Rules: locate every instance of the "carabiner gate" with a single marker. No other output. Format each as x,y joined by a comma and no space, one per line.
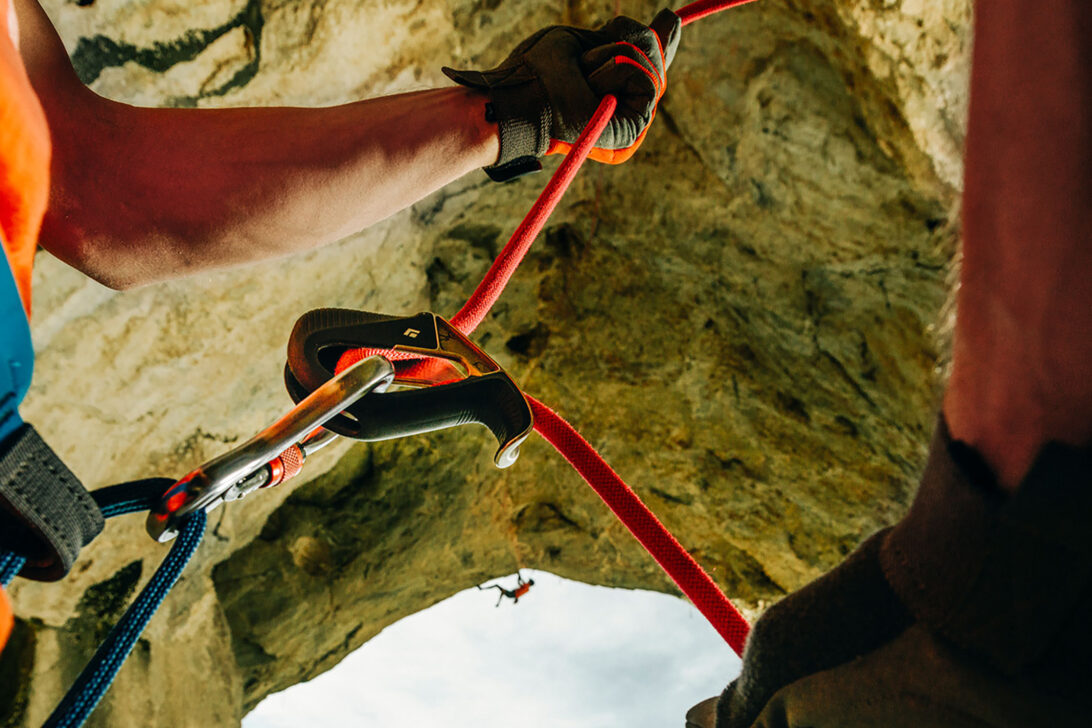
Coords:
236,473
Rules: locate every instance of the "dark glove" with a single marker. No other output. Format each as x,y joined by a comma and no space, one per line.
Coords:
543,95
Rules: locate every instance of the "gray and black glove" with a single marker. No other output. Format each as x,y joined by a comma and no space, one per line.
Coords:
548,88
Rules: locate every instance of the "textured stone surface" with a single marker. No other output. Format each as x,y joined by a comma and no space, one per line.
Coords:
739,318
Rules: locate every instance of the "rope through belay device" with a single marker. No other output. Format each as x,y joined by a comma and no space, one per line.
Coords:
335,358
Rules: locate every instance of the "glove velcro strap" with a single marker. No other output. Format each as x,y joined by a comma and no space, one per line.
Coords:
523,121
45,513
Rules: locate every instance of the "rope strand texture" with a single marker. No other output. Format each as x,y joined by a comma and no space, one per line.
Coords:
100,672
643,524
491,287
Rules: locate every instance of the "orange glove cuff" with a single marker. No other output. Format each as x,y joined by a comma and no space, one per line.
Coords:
617,156
606,156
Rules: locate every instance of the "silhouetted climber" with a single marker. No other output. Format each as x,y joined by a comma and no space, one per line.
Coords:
522,587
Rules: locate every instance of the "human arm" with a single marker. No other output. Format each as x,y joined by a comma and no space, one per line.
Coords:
1022,360
140,195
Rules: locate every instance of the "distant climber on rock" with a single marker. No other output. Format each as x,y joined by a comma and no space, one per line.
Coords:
522,587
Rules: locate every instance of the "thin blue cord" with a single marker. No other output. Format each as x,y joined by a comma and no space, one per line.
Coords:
96,678
10,565
122,508
140,495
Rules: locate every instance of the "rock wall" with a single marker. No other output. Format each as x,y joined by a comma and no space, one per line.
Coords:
740,318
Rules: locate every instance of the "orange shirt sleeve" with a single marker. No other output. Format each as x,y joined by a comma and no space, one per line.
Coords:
24,161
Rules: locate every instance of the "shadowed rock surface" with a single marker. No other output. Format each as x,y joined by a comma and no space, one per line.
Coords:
740,319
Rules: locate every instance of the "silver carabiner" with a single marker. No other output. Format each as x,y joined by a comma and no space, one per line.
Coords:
213,483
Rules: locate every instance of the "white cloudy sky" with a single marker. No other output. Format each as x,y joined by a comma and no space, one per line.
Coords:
568,654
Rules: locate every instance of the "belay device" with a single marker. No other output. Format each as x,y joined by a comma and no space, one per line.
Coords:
456,383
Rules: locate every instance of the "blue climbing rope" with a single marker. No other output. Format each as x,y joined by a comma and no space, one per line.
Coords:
96,678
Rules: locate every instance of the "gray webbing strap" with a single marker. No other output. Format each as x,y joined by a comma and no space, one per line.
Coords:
45,513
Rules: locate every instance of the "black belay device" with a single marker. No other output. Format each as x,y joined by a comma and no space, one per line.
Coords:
453,381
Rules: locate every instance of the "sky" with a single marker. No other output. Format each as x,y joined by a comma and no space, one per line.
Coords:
568,654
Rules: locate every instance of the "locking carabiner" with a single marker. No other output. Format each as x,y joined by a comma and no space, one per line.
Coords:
250,466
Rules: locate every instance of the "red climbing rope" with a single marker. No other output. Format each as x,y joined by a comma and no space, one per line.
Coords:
643,524
496,278
700,9
489,290
694,582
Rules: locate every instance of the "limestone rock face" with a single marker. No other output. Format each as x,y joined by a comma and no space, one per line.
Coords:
739,318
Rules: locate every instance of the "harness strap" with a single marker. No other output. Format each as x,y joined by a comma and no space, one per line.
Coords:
46,516
45,513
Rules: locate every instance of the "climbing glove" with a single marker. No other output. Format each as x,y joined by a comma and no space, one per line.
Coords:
548,88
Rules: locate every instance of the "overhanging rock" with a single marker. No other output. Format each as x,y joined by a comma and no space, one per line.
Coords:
740,318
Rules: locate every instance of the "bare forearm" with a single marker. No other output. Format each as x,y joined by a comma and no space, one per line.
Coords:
1022,370
140,195
161,193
